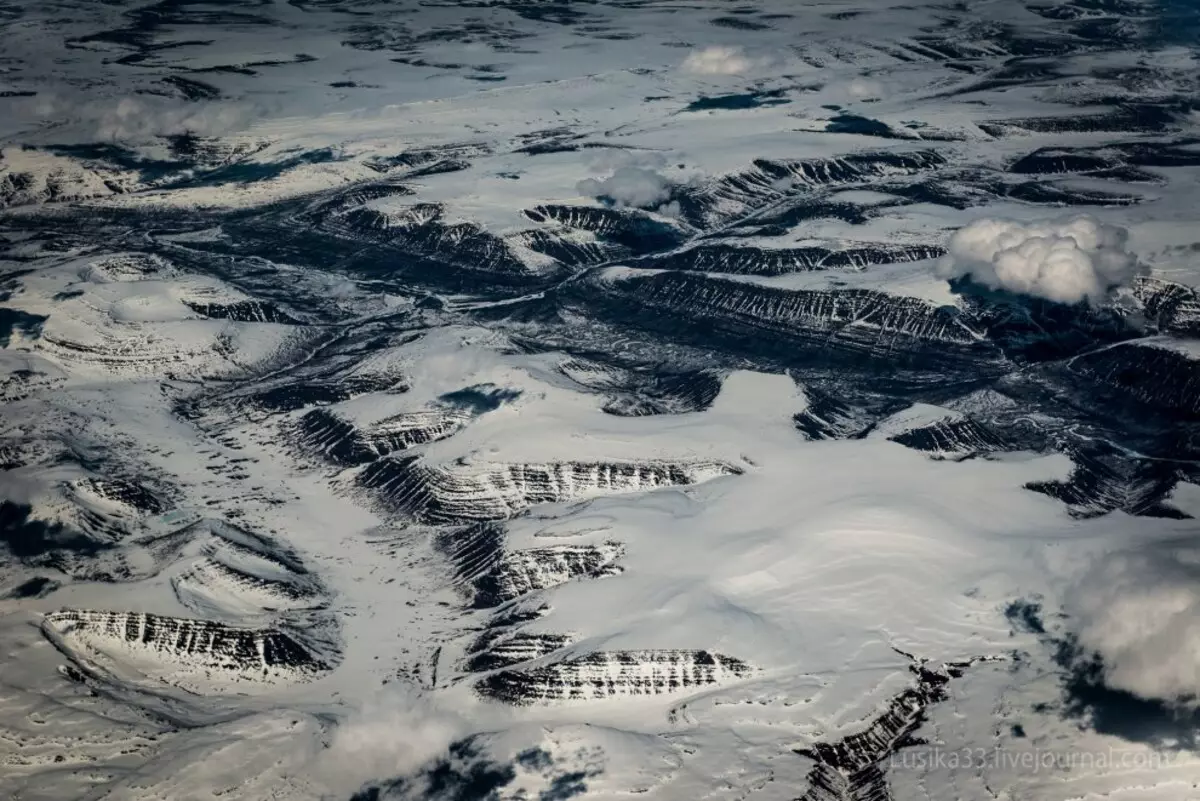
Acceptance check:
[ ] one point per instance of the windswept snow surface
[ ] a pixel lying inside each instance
(512, 400)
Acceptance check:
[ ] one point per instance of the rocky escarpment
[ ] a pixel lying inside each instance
(1165, 379)
(509, 651)
(495, 491)
(494, 574)
(325, 435)
(798, 327)
(241, 576)
(182, 650)
(1170, 307)
(617, 233)
(609, 674)
(826, 417)
(645, 389)
(952, 439)
(854, 768)
(748, 260)
(1105, 479)
(214, 587)
(244, 311)
(291, 396)
(120, 493)
(769, 181)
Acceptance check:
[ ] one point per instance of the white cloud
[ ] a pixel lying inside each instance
(1067, 260)
(865, 89)
(391, 736)
(136, 120)
(719, 60)
(609, 159)
(629, 186)
(1140, 612)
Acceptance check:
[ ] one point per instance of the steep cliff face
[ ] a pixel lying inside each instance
(794, 327)
(829, 418)
(1172, 308)
(509, 651)
(609, 674)
(749, 260)
(494, 574)
(645, 389)
(952, 439)
(854, 768)
(619, 233)
(244, 311)
(492, 491)
(194, 654)
(1105, 479)
(1167, 380)
(769, 181)
(323, 434)
(322, 391)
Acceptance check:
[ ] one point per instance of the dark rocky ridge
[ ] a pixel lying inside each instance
(1170, 307)
(642, 390)
(218, 646)
(245, 311)
(323, 434)
(953, 439)
(748, 260)
(854, 768)
(494, 574)
(509, 651)
(440, 494)
(607, 674)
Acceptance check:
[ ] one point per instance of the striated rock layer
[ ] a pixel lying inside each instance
(448, 494)
(608, 674)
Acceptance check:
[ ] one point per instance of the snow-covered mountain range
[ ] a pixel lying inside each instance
(533, 399)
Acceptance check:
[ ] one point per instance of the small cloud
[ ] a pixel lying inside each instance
(629, 186)
(672, 209)
(865, 89)
(610, 159)
(390, 737)
(135, 120)
(856, 89)
(719, 60)
(1139, 611)
(1068, 260)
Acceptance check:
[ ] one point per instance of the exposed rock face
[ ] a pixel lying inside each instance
(952, 439)
(122, 493)
(1172, 308)
(1105, 479)
(521, 647)
(854, 768)
(609, 674)
(214, 588)
(648, 390)
(322, 392)
(617, 232)
(488, 491)
(165, 645)
(748, 260)
(766, 181)
(422, 231)
(796, 326)
(496, 575)
(244, 311)
(337, 441)
(1165, 379)
(826, 417)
